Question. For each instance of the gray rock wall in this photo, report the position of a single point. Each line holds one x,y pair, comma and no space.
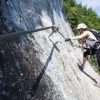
41,65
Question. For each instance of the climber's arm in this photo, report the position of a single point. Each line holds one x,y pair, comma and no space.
80,36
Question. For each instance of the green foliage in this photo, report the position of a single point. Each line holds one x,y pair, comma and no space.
76,13
93,61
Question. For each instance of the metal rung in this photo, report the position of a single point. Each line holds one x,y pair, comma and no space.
8,35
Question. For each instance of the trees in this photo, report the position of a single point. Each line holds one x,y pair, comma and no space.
76,13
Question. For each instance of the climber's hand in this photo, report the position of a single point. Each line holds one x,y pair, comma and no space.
78,45
68,39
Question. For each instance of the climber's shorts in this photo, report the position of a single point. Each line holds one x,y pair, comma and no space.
89,52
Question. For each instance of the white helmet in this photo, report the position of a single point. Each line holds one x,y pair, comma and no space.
82,25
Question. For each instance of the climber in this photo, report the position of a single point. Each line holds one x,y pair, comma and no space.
88,44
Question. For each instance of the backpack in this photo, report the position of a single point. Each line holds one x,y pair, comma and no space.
91,44
96,33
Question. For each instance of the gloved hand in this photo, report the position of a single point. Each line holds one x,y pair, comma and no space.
68,39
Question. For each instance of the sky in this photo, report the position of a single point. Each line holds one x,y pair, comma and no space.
94,4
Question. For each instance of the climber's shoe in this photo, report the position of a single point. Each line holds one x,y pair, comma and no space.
81,67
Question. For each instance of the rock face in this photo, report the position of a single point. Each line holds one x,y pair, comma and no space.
41,65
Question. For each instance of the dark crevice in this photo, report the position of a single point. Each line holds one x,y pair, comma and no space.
93,79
